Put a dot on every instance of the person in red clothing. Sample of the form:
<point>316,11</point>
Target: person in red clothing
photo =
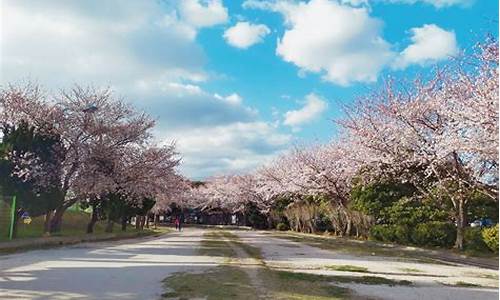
<point>177,223</point>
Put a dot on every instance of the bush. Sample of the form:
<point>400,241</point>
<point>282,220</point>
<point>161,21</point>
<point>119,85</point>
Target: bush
<point>426,234</point>
<point>434,234</point>
<point>490,238</point>
<point>390,233</point>
<point>473,240</point>
<point>402,234</point>
<point>323,223</point>
<point>282,227</point>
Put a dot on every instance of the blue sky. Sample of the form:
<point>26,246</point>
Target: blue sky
<point>236,83</point>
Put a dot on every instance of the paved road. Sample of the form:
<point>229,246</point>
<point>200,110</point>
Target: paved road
<point>134,269</point>
<point>124,270</point>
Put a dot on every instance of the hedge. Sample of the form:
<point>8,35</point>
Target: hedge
<point>425,234</point>
<point>435,233</point>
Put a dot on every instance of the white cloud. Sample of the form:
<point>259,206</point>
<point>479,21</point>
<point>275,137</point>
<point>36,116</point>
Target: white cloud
<point>339,41</point>
<point>203,13</point>
<point>245,34</point>
<point>430,44</point>
<point>234,98</point>
<point>437,3</point>
<point>229,149</point>
<point>314,106</point>
<point>110,43</point>
<point>147,52</point>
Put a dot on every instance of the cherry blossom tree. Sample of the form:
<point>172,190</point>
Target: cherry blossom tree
<point>447,128</point>
<point>93,126</point>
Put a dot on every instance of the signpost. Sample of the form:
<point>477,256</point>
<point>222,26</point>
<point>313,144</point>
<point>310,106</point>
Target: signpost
<point>12,217</point>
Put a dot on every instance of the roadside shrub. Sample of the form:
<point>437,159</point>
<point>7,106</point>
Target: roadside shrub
<point>473,240</point>
<point>323,223</point>
<point>402,234</point>
<point>381,233</point>
<point>434,234</point>
<point>282,227</point>
<point>490,237</point>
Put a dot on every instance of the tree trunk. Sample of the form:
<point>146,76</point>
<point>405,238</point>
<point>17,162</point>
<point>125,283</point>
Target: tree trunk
<point>56,222</point>
<point>93,220</point>
<point>46,224</point>
<point>147,220</point>
<point>109,226</point>
<point>142,222</point>
<point>461,224</point>
<point>137,222</point>
<point>349,226</point>
<point>124,223</point>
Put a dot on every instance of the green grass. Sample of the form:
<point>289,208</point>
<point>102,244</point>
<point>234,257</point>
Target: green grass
<point>371,280</point>
<point>347,268</point>
<point>465,284</point>
<point>74,229</point>
<point>411,270</point>
<point>73,224</point>
<point>213,244</point>
<point>224,282</point>
<point>232,282</point>
<point>301,286</point>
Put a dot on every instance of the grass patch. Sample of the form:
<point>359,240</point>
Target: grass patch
<point>465,284</point>
<point>218,243</point>
<point>214,244</point>
<point>253,252</point>
<point>74,224</point>
<point>372,280</point>
<point>232,282</point>
<point>73,231</point>
<point>411,270</point>
<point>224,282</point>
<point>347,268</point>
<point>301,286</point>
<point>488,276</point>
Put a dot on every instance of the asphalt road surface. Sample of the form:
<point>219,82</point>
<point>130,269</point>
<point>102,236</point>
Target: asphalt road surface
<point>134,269</point>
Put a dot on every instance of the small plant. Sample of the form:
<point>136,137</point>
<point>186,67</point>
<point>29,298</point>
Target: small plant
<point>490,238</point>
<point>411,270</point>
<point>282,227</point>
<point>348,268</point>
<point>474,240</point>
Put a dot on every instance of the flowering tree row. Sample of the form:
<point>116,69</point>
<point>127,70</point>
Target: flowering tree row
<point>440,135</point>
<point>104,148</point>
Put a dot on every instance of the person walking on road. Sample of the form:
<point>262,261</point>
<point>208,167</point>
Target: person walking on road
<point>177,223</point>
<point>181,220</point>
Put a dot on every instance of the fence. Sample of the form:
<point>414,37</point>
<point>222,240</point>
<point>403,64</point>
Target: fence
<point>7,216</point>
